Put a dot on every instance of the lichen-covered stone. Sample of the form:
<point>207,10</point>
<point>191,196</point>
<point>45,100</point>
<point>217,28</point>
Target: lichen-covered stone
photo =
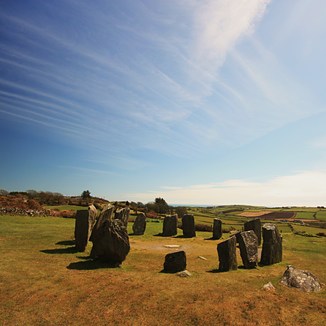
<point>139,225</point>
<point>254,225</point>
<point>122,214</point>
<point>217,229</point>
<point>248,243</point>
<point>175,262</point>
<point>272,245</point>
<point>303,280</point>
<point>188,226</point>
<point>227,255</point>
<point>170,225</point>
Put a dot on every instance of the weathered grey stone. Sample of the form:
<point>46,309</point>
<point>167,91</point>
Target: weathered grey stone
<point>110,239</point>
<point>272,245</point>
<point>227,255</point>
<point>248,243</point>
<point>122,214</point>
<point>188,226</point>
<point>84,223</point>
<point>175,262</point>
<point>217,229</point>
<point>184,273</point>
<point>139,225</point>
<point>106,215</point>
<point>170,225</point>
<point>254,225</point>
<point>303,280</point>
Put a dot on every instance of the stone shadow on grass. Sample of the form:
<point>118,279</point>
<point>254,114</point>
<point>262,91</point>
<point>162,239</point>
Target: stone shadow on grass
<point>215,270</point>
<point>68,250</point>
<point>91,264</point>
<point>66,243</point>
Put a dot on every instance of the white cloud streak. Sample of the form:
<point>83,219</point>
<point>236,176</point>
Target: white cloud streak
<point>305,188</point>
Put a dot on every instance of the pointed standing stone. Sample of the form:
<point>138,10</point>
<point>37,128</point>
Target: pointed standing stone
<point>188,226</point>
<point>248,243</point>
<point>217,229</point>
<point>254,225</point>
<point>170,225</point>
<point>227,255</point>
<point>272,245</point>
<point>139,225</point>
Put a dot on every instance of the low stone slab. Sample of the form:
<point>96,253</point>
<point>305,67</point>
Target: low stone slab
<point>227,255</point>
<point>188,226</point>
<point>217,229</point>
<point>254,225</point>
<point>175,262</point>
<point>303,280</point>
<point>170,224</point>
<point>139,225</point>
<point>272,245</point>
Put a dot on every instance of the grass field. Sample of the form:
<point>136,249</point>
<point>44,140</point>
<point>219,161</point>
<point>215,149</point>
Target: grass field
<point>43,281</point>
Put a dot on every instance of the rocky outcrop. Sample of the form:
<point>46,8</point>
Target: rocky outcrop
<point>248,243</point>
<point>254,225</point>
<point>227,255</point>
<point>303,280</point>
<point>272,245</point>
<point>139,225</point>
<point>170,225</point>
<point>175,262</point>
<point>217,229</point>
<point>188,226</point>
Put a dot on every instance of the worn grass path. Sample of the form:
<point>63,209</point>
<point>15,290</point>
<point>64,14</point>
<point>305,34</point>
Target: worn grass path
<point>43,281</point>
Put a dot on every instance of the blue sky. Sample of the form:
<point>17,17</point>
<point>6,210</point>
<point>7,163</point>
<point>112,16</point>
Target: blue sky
<point>200,102</point>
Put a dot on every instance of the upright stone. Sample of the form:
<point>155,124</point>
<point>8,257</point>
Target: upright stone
<point>170,225</point>
<point>139,225</point>
<point>227,255</point>
<point>175,262</point>
<point>188,226</point>
<point>272,245</point>
<point>122,214</point>
<point>84,223</point>
<point>254,225</point>
<point>110,238</point>
<point>217,229</point>
<point>248,243</point>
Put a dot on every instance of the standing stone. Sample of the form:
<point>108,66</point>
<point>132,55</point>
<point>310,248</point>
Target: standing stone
<point>272,245</point>
<point>188,226</point>
<point>303,280</point>
<point>254,225</point>
<point>227,255</point>
<point>170,225</point>
<point>217,229</point>
<point>248,243</point>
<point>84,223</point>
<point>175,262</point>
<point>110,238</point>
<point>139,225</point>
<point>122,214</point>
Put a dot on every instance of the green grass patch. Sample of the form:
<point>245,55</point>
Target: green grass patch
<point>66,207</point>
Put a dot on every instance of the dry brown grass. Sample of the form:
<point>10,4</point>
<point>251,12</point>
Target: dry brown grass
<point>44,283</point>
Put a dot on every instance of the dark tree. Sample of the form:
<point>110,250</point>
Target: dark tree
<point>86,194</point>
